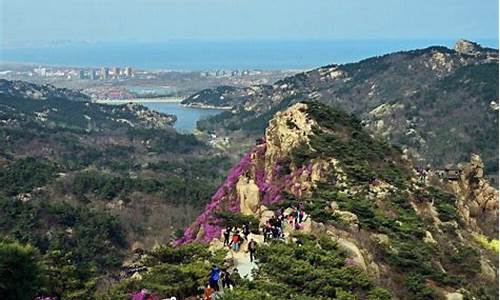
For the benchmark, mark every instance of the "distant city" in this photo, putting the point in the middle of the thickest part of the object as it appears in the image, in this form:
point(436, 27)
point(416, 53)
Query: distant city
point(116, 73)
point(125, 82)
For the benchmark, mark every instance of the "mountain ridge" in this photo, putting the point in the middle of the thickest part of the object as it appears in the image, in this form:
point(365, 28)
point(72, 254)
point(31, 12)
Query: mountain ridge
point(413, 99)
point(366, 196)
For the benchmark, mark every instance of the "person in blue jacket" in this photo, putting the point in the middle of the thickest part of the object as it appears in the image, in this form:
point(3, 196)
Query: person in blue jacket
point(213, 280)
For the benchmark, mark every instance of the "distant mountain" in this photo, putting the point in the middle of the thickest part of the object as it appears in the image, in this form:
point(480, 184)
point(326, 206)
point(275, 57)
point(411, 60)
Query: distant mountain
point(26, 90)
point(439, 104)
point(47, 106)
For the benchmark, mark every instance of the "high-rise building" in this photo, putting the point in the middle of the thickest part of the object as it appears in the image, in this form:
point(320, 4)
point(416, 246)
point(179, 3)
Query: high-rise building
point(93, 74)
point(116, 72)
point(41, 71)
point(128, 71)
point(104, 73)
point(81, 74)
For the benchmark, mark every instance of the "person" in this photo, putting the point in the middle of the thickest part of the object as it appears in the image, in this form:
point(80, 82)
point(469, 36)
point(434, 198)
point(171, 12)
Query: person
point(275, 232)
point(301, 215)
point(207, 295)
point(264, 233)
point(235, 275)
point(227, 282)
point(252, 247)
point(235, 241)
point(246, 231)
point(296, 215)
point(227, 234)
point(213, 280)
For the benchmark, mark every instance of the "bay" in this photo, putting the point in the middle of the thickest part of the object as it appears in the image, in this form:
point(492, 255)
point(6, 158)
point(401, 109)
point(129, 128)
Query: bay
point(186, 116)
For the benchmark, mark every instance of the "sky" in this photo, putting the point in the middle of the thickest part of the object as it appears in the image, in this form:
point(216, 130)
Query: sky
point(30, 22)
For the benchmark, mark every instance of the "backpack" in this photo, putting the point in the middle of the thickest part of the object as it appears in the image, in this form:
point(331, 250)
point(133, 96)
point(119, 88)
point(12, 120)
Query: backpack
point(215, 275)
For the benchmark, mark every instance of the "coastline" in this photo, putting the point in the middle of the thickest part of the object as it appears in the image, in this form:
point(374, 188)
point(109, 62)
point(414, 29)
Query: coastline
point(204, 106)
point(161, 100)
point(139, 100)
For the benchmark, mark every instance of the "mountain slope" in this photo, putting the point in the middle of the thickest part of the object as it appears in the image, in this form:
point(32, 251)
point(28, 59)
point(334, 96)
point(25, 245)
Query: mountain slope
point(413, 99)
point(85, 183)
point(419, 238)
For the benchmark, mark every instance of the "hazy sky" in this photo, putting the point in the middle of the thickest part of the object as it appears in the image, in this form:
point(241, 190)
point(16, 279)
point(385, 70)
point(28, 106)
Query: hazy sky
point(32, 21)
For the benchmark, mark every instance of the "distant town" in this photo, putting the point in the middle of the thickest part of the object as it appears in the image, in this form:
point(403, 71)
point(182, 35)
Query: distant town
point(125, 82)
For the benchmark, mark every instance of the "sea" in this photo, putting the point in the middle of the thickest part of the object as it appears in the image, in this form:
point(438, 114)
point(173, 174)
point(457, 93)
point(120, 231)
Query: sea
point(212, 55)
point(215, 55)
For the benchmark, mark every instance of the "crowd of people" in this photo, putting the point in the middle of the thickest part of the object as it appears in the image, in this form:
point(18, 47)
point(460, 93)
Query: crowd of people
point(273, 228)
point(234, 237)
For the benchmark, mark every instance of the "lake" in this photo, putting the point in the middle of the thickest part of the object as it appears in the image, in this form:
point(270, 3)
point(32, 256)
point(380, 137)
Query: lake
point(186, 116)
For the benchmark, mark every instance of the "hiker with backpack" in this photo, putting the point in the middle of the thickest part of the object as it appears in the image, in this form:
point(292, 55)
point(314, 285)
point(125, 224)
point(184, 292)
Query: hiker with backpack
point(236, 241)
point(213, 280)
point(252, 248)
point(227, 281)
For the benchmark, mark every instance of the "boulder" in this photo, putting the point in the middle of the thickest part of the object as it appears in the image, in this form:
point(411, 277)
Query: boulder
point(347, 217)
point(249, 195)
point(487, 270)
point(382, 239)
point(317, 228)
point(351, 250)
point(428, 238)
point(454, 296)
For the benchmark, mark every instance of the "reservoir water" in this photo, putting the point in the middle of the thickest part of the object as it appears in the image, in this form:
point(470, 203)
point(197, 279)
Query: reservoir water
point(186, 116)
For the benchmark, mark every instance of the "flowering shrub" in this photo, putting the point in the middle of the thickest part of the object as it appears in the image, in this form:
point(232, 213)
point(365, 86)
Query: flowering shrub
point(142, 296)
point(271, 186)
point(206, 221)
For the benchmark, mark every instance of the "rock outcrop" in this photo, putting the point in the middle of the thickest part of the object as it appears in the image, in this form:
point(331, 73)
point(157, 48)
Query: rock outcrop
point(286, 131)
point(478, 200)
point(248, 193)
point(467, 47)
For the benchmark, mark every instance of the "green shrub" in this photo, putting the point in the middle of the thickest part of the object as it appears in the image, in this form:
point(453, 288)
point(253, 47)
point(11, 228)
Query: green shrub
point(21, 271)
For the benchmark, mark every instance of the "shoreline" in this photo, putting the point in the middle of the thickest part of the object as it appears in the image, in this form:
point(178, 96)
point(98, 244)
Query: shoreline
point(161, 100)
point(203, 106)
point(139, 100)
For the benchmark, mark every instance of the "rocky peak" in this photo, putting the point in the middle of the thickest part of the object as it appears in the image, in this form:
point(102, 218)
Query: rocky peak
point(467, 47)
point(287, 130)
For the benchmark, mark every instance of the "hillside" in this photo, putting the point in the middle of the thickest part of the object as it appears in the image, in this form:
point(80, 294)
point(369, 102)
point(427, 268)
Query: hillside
point(26, 90)
point(375, 228)
point(427, 101)
point(86, 183)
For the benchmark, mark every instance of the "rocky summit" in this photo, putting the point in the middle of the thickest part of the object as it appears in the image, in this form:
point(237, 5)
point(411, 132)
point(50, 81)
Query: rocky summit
point(411, 233)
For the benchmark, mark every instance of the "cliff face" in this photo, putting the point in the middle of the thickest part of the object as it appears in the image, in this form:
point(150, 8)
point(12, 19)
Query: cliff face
point(409, 235)
point(262, 175)
point(477, 199)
